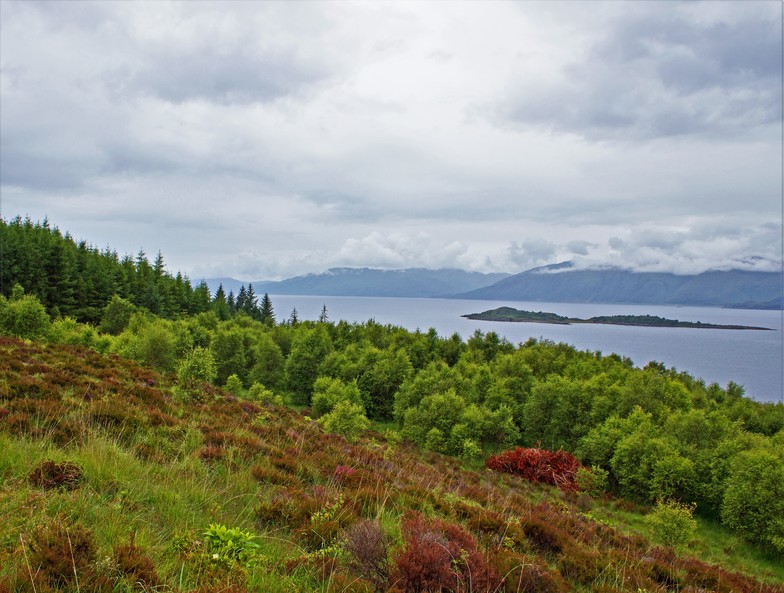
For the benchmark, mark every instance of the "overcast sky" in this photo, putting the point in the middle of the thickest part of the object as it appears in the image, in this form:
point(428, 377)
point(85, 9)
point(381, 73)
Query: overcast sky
point(261, 140)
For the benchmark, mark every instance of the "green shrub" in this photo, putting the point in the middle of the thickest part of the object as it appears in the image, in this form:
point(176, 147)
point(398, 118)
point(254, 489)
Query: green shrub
point(592, 481)
point(347, 419)
point(233, 384)
point(672, 523)
point(23, 316)
point(231, 546)
point(258, 393)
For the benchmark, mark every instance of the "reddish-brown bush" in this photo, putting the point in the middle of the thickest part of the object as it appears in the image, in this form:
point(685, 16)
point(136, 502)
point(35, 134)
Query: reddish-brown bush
point(538, 465)
point(52, 474)
point(521, 574)
point(133, 562)
point(439, 556)
point(368, 548)
point(62, 553)
point(580, 564)
point(212, 453)
point(545, 537)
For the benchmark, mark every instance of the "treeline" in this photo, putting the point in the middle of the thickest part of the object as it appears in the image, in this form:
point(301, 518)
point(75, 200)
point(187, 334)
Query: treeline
point(655, 433)
point(75, 279)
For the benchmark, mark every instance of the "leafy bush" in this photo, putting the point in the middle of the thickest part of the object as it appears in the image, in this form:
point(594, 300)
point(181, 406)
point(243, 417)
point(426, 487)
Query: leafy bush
point(233, 385)
point(593, 481)
point(23, 316)
point(538, 465)
point(197, 366)
point(258, 393)
point(672, 523)
point(347, 419)
point(754, 499)
point(328, 392)
point(231, 546)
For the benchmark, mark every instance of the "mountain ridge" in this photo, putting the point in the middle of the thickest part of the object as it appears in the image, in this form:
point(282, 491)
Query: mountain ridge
point(560, 282)
point(346, 281)
point(713, 288)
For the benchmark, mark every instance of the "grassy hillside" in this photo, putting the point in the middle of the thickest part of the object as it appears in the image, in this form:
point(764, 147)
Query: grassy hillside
point(112, 481)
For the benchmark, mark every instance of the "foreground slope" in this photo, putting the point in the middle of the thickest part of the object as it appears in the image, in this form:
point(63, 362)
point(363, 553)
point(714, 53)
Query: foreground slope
point(109, 482)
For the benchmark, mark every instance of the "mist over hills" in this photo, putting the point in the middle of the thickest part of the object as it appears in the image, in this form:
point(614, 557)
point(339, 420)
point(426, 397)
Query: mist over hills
point(560, 283)
point(411, 282)
point(554, 283)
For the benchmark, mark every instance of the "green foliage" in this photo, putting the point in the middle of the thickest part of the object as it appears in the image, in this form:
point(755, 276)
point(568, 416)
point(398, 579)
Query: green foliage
point(592, 480)
point(23, 316)
point(347, 419)
point(308, 349)
point(229, 351)
point(328, 392)
point(116, 316)
point(233, 385)
point(268, 361)
point(258, 393)
point(198, 366)
point(232, 546)
point(754, 498)
point(672, 523)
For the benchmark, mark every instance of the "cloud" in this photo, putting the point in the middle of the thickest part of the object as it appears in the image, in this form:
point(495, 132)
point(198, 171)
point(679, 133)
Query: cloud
point(708, 246)
point(398, 250)
point(655, 72)
point(271, 139)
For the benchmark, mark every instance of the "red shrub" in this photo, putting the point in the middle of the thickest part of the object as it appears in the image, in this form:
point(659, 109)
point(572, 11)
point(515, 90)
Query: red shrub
point(538, 465)
point(439, 556)
point(50, 475)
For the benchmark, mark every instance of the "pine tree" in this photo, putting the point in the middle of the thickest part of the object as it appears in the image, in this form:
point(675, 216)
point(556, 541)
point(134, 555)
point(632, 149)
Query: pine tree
point(219, 304)
point(242, 299)
point(294, 317)
point(323, 318)
point(252, 304)
point(266, 312)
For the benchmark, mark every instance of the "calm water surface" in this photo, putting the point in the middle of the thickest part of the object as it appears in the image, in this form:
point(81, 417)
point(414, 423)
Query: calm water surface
point(754, 359)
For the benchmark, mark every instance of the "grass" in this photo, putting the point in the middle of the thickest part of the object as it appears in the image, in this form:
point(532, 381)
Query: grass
point(158, 473)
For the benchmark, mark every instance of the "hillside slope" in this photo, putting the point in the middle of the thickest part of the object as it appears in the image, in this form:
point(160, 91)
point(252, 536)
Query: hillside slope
point(112, 481)
point(561, 284)
point(412, 282)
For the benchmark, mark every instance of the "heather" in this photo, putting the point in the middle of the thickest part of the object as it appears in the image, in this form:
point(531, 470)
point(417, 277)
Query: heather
point(112, 480)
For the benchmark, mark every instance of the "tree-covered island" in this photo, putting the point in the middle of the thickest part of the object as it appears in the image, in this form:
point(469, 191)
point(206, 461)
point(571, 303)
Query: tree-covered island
point(510, 314)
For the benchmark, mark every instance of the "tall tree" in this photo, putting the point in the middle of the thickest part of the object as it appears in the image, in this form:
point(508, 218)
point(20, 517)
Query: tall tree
point(266, 312)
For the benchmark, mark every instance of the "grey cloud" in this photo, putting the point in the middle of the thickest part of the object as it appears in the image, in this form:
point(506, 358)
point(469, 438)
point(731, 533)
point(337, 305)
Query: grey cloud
point(579, 247)
point(532, 252)
point(237, 77)
point(662, 73)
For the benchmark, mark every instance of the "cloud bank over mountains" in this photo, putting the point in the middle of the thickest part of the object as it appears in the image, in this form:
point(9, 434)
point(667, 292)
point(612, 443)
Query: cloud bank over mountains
point(265, 140)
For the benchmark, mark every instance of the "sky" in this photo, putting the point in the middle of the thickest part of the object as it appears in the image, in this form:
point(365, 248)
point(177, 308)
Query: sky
point(262, 140)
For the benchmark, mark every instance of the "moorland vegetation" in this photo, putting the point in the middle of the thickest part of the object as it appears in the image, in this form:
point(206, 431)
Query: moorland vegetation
point(144, 444)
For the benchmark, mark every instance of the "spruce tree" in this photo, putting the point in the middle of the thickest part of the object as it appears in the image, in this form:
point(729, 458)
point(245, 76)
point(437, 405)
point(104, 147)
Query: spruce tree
point(266, 312)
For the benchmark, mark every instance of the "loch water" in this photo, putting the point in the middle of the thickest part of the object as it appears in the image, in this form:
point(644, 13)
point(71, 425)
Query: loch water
point(752, 358)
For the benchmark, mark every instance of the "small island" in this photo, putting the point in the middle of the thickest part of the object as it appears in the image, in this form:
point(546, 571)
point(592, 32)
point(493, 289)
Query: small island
point(515, 315)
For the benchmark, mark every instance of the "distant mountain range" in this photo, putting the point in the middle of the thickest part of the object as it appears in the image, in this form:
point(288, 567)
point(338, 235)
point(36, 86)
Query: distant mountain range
point(411, 282)
point(554, 283)
point(561, 283)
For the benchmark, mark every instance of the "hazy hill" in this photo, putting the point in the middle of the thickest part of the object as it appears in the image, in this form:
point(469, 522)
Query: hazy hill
point(412, 282)
point(559, 283)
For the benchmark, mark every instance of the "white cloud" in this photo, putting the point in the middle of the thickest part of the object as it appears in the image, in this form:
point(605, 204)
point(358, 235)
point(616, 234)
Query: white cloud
point(271, 139)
